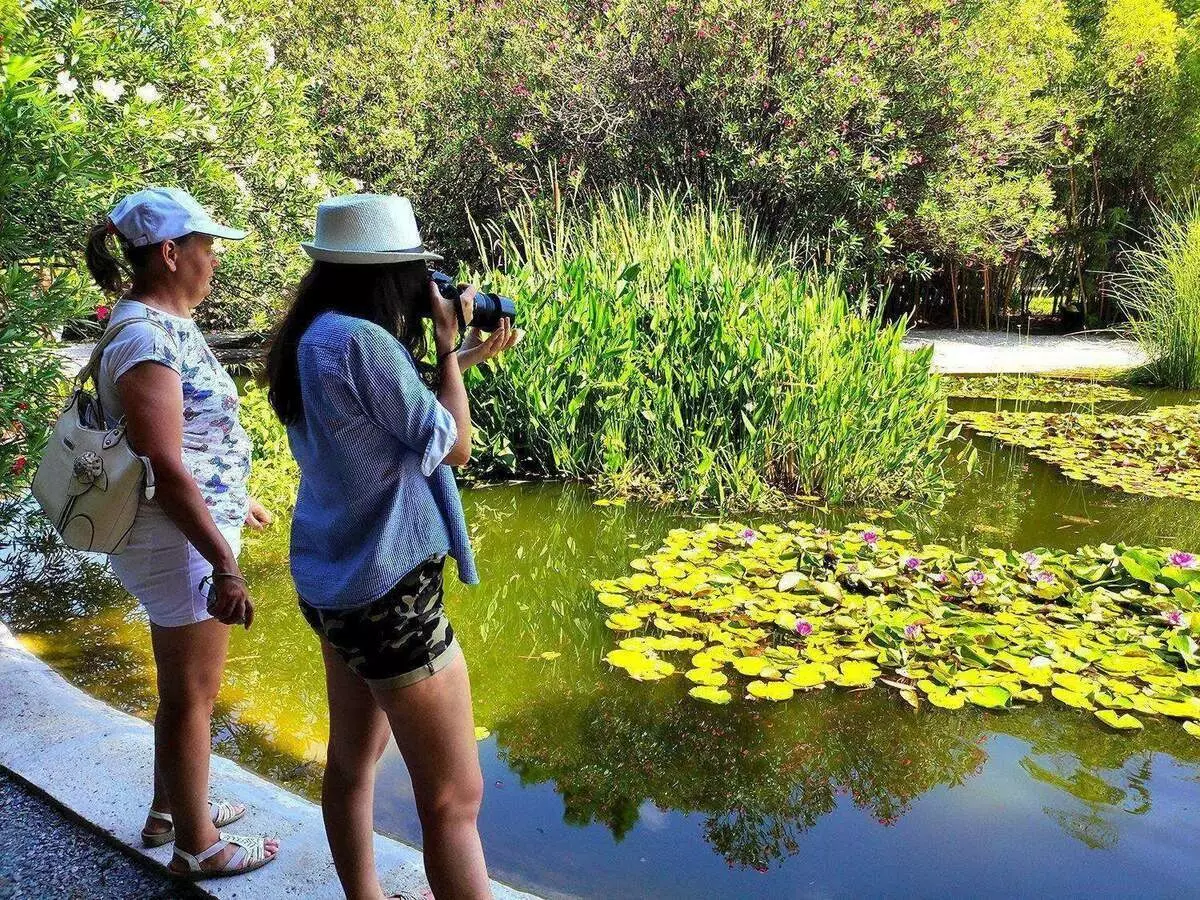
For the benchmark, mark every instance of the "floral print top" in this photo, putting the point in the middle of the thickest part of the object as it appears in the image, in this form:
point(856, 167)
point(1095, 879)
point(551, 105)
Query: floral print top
point(216, 449)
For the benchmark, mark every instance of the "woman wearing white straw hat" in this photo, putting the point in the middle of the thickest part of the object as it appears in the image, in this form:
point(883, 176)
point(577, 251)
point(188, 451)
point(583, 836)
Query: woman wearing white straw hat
point(180, 409)
point(376, 515)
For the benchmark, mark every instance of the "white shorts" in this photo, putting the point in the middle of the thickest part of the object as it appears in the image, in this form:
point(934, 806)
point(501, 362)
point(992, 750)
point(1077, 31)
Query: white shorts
point(164, 571)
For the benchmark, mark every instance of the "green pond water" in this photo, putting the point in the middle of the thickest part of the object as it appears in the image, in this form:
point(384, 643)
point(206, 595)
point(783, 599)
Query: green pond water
point(599, 786)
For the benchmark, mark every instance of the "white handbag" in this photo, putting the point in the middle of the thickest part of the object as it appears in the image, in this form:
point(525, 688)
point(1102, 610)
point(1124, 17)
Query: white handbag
point(90, 481)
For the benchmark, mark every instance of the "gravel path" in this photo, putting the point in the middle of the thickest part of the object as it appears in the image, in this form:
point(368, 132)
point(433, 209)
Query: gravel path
point(45, 854)
point(996, 351)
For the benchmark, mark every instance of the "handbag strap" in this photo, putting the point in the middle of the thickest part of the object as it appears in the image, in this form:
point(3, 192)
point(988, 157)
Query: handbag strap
point(88, 372)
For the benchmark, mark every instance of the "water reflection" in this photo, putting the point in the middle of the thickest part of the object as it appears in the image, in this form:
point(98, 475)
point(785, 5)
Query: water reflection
point(594, 778)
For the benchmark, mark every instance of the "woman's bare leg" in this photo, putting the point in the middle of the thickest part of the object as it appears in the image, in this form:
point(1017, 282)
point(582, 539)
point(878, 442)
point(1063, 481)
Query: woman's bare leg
point(434, 728)
point(190, 661)
point(358, 735)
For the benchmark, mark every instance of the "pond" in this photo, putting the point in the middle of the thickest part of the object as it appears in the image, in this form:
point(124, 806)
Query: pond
point(598, 786)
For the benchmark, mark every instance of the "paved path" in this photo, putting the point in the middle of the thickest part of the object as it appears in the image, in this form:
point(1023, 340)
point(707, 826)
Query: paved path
point(996, 351)
point(45, 853)
point(96, 761)
point(956, 351)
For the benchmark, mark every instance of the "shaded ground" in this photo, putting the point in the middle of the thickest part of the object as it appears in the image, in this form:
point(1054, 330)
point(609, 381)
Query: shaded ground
point(43, 853)
point(997, 351)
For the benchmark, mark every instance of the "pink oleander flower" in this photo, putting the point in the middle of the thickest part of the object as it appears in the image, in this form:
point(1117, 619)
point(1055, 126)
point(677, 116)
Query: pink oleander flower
point(870, 538)
point(1174, 618)
point(102, 312)
point(748, 535)
point(976, 577)
point(912, 564)
point(1182, 560)
point(912, 632)
point(804, 628)
point(1045, 577)
point(1031, 559)
point(939, 577)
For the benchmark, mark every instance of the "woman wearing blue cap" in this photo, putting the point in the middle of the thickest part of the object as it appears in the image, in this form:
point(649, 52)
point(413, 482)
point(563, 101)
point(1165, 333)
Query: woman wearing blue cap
point(180, 409)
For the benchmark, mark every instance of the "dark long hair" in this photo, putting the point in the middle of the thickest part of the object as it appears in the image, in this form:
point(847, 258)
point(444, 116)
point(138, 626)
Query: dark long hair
point(394, 296)
point(108, 271)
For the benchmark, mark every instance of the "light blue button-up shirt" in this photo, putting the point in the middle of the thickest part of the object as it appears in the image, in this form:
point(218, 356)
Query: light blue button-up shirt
point(375, 499)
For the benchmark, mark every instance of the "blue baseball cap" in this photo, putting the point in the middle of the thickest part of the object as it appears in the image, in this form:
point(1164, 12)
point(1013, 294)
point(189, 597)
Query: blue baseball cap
point(159, 214)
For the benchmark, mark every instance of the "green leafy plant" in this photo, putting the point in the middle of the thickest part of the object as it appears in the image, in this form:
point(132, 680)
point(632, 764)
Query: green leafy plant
point(1161, 290)
point(1154, 453)
point(1108, 629)
point(670, 353)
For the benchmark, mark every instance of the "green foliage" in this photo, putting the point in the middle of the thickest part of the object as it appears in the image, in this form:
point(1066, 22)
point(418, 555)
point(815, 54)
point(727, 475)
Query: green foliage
point(668, 353)
point(1108, 628)
point(1037, 389)
point(274, 475)
point(1161, 290)
point(164, 94)
point(1156, 453)
point(104, 99)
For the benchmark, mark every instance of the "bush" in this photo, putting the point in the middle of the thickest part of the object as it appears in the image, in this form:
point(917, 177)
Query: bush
point(1161, 290)
point(901, 132)
point(98, 99)
point(668, 354)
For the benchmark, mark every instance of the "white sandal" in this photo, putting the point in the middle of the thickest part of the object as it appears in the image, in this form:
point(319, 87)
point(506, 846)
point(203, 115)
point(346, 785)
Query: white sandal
point(251, 854)
point(224, 813)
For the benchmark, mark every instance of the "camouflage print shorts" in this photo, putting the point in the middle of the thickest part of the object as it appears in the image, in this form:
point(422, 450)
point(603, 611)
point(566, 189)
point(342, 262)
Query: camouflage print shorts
point(399, 639)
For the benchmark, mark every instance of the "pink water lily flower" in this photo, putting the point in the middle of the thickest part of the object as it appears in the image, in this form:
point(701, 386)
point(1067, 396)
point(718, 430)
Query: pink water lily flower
point(870, 538)
point(976, 577)
point(912, 564)
point(1174, 618)
point(748, 535)
point(939, 577)
point(912, 632)
point(1045, 577)
point(804, 628)
point(1031, 559)
point(1183, 560)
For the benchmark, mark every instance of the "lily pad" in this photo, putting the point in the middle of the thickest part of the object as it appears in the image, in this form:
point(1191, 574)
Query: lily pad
point(1121, 721)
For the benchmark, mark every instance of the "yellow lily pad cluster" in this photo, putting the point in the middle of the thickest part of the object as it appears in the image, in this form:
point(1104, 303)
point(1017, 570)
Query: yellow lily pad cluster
point(1035, 388)
point(770, 613)
point(1155, 453)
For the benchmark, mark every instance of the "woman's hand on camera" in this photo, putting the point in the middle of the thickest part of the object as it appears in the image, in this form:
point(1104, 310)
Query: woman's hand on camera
point(231, 604)
point(476, 348)
point(445, 320)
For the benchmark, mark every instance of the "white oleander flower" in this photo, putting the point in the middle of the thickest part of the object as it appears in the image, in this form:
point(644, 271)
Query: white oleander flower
point(109, 88)
point(66, 84)
point(211, 134)
point(356, 184)
point(268, 50)
point(311, 180)
point(148, 93)
point(60, 59)
point(241, 184)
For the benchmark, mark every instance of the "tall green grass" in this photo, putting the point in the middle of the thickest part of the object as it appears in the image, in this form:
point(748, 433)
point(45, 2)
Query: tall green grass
point(1161, 291)
point(668, 354)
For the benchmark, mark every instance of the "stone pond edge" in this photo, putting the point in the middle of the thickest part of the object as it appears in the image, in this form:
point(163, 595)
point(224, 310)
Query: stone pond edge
point(95, 761)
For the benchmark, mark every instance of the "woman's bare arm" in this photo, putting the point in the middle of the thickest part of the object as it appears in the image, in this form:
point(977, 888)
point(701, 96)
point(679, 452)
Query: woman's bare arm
point(152, 397)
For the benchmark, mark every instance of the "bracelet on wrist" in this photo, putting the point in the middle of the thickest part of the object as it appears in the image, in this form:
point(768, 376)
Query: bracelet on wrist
point(233, 575)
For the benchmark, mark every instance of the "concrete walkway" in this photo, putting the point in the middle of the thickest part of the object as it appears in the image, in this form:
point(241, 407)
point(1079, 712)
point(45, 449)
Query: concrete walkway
point(978, 352)
point(96, 761)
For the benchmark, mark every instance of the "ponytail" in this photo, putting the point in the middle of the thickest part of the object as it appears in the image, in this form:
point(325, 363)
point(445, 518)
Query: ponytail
point(108, 271)
point(105, 269)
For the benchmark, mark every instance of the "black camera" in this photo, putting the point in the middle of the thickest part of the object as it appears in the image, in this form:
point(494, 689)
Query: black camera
point(489, 308)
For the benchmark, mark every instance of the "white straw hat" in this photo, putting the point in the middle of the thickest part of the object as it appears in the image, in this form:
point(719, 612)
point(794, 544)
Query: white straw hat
point(367, 228)
point(159, 214)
